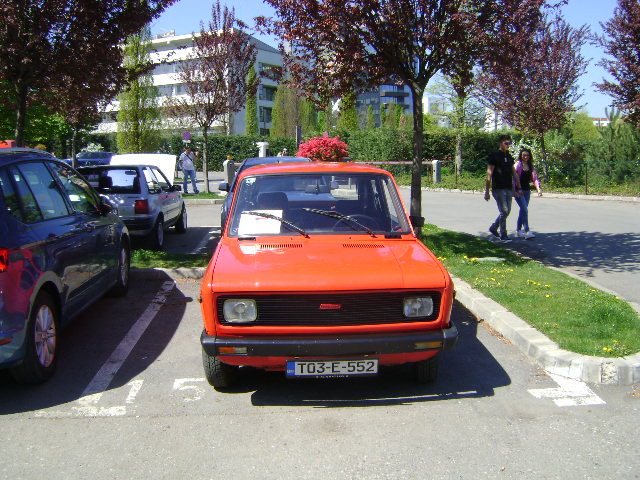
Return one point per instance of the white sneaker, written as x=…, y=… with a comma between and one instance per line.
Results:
x=529, y=235
x=518, y=234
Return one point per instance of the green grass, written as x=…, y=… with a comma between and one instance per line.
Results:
x=575, y=315
x=158, y=259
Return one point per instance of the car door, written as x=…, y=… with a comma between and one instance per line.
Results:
x=49, y=230
x=96, y=232
x=170, y=199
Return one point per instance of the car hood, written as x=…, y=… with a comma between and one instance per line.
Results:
x=349, y=263
x=165, y=162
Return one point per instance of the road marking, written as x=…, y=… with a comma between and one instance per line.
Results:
x=570, y=393
x=201, y=247
x=102, y=379
x=180, y=384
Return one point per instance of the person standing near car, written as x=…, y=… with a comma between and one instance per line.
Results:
x=501, y=174
x=186, y=163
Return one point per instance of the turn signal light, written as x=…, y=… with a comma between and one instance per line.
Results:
x=232, y=350
x=4, y=259
x=141, y=207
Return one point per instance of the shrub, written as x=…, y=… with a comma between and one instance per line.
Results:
x=324, y=149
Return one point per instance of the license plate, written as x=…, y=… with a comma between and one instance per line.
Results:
x=332, y=368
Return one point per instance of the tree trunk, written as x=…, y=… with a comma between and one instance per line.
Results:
x=205, y=162
x=545, y=164
x=460, y=114
x=21, y=113
x=415, y=209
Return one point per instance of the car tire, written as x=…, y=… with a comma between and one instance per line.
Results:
x=124, y=265
x=41, y=356
x=181, y=223
x=156, y=237
x=426, y=371
x=219, y=375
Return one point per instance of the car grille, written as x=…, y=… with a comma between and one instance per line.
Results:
x=322, y=309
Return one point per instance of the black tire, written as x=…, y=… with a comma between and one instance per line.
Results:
x=426, y=371
x=181, y=223
x=41, y=356
x=124, y=264
x=156, y=237
x=219, y=375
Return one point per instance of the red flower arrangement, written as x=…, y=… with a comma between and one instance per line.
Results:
x=324, y=149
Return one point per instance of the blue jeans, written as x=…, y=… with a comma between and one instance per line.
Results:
x=503, y=200
x=186, y=174
x=523, y=216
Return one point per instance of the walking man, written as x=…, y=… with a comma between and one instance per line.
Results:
x=188, y=168
x=501, y=174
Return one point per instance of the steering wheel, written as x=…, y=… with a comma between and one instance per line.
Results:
x=365, y=220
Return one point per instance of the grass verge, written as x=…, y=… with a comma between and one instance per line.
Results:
x=575, y=315
x=141, y=258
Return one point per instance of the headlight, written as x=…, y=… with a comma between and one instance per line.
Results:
x=418, y=307
x=240, y=310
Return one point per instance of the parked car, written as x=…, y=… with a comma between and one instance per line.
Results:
x=61, y=249
x=84, y=159
x=247, y=163
x=147, y=201
x=319, y=273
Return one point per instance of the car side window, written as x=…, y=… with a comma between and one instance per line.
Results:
x=9, y=195
x=82, y=196
x=162, y=180
x=40, y=194
x=152, y=182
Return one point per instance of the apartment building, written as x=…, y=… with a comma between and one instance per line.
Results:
x=169, y=51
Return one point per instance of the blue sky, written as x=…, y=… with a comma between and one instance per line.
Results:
x=185, y=16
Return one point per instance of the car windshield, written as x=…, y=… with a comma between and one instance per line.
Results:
x=310, y=204
x=112, y=180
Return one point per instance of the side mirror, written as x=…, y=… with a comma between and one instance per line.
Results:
x=106, y=207
x=177, y=188
x=416, y=222
x=223, y=187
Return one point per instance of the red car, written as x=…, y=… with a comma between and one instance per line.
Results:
x=319, y=274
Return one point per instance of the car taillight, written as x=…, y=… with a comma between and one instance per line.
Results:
x=141, y=206
x=4, y=259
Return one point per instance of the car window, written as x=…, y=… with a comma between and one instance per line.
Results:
x=162, y=180
x=39, y=193
x=113, y=180
x=152, y=182
x=318, y=204
x=82, y=196
x=10, y=196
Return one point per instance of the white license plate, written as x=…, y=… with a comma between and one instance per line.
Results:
x=332, y=368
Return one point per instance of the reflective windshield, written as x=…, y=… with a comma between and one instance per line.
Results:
x=312, y=204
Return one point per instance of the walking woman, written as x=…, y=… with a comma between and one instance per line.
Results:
x=527, y=175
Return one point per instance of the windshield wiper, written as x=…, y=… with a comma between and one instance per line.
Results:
x=280, y=219
x=340, y=216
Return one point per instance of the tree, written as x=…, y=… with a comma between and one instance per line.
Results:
x=337, y=46
x=371, y=118
x=215, y=76
x=251, y=115
x=139, y=115
x=534, y=86
x=348, y=115
x=324, y=149
x=623, y=44
x=47, y=45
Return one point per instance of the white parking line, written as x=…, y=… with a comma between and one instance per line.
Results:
x=570, y=393
x=200, y=248
x=102, y=379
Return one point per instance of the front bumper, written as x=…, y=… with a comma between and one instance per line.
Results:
x=334, y=345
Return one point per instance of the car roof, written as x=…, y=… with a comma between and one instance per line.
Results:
x=339, y=168
x=268, y=160
x=23, y=153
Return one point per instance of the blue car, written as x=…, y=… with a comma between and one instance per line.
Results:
x=62, y=247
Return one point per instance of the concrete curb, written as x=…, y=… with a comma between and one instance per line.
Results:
x=545, y=352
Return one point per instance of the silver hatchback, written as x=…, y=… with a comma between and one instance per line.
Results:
x=146, y=200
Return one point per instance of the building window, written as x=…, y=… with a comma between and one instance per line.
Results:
x=265, y=114
x=267, y=93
